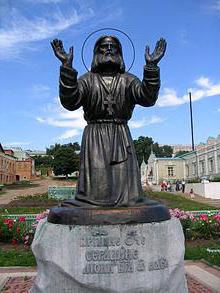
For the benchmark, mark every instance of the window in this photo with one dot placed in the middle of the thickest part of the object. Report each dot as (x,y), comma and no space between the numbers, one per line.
(202,167)
(194,168)
(211,165)
(187,171)
(170,171)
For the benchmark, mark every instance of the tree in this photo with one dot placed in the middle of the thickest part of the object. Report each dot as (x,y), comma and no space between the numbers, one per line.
(53,148)
(66,158)
(143,146)
(181,153)
(43,161)
(43,164)
(162,151)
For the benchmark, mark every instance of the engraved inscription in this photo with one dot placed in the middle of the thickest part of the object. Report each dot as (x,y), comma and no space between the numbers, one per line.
(140,265)
(107,254)
(159,264)
(111,254)
(133,238)
(126,267)
(97,268)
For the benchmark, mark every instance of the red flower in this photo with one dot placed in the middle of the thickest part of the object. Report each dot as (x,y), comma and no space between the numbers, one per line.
(9,223)
(217,217)
(204,217)
(22,219)
(14,241)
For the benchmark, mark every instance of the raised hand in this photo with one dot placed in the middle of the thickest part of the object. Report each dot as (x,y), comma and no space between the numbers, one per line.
(158,53)
(65,58)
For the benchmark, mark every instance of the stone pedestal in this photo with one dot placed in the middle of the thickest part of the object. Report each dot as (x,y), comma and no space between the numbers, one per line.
(145,257)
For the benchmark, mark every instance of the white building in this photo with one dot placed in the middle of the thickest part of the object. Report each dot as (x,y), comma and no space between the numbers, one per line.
(202,163)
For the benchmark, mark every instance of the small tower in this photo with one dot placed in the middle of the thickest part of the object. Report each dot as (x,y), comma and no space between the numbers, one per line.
(143,173)
(150,167)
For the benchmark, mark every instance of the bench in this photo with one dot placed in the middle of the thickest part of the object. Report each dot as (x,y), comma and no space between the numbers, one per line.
(61,192)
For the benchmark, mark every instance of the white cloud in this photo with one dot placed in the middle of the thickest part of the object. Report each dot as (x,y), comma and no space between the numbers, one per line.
(215,6)
(218,110)
(184,37)
(205,88)
(17,143)
(145,122)
(18,32)
(44,1)
(57,116)
(69,133)
(40,88)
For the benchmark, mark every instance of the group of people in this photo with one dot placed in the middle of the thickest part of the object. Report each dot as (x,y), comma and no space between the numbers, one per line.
(179,185)
(166,186)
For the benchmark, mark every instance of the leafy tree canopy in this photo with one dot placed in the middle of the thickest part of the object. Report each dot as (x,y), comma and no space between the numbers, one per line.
(66,158)
(143,146)
(43,161)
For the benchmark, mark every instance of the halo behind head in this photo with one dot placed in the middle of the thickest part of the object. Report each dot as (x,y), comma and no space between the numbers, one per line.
(115,38)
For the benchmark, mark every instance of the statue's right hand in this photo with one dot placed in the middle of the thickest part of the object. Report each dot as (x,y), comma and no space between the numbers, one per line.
(65,58)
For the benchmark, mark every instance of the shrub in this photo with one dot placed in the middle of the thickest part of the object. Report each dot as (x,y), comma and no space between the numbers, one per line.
(17,231)
(215,179)
(203,227)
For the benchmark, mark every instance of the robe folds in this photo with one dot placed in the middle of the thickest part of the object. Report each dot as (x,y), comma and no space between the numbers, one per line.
(109,173)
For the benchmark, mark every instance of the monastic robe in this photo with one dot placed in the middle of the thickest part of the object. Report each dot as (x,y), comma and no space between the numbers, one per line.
(109,173)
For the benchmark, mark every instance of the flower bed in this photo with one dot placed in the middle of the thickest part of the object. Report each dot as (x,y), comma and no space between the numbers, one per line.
(205,226)
(19,229)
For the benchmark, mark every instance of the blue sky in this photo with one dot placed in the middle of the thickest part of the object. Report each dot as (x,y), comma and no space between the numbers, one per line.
(30,113)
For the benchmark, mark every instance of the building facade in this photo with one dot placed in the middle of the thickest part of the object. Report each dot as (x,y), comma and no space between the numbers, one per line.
(200,164)
(24,164)
(188,147)
(204,163)
(7,167)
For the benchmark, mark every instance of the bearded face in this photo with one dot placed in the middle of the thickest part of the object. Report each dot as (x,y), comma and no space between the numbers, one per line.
(107,56)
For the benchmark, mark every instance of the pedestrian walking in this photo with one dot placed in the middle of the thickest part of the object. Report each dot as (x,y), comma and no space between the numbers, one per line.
(183,183)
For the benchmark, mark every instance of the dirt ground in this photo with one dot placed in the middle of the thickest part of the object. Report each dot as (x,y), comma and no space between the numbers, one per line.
(42,187)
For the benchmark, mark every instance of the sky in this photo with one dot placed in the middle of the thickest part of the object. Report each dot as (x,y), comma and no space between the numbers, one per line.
(31,116)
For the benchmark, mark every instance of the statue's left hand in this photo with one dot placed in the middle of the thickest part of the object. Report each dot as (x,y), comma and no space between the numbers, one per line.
(158,53)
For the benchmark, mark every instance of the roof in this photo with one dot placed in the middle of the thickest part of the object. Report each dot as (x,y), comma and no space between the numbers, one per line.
(1,149)
(186,154)
(170,159)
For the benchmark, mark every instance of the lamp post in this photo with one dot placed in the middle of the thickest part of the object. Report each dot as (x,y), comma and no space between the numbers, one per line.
(192,134)
(191,120)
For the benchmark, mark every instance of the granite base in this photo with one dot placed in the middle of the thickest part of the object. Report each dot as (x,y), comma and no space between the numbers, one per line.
(142,258)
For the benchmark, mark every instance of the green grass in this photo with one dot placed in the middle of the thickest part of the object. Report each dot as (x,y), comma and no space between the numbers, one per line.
(15,257)
(20,185)
(37,197)
(200,253)
(21,210)
(177,201)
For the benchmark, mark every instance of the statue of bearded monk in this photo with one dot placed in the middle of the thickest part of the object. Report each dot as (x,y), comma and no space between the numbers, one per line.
(109,173)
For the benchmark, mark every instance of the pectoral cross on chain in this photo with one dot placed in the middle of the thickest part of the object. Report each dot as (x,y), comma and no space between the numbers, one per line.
(110,101)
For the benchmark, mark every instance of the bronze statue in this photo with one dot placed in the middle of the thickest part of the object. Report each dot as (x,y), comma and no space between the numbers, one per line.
(109,173)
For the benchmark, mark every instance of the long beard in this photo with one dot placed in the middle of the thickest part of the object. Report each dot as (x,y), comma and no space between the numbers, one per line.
(107,61)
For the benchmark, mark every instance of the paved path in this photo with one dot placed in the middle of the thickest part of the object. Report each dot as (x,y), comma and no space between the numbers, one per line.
(10,194)
(201,199)
(201,278)
(205,275)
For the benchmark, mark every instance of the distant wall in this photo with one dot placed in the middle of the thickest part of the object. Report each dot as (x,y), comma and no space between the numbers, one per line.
(208,190)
